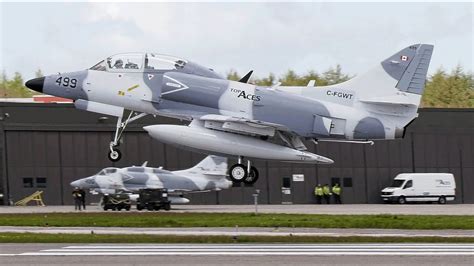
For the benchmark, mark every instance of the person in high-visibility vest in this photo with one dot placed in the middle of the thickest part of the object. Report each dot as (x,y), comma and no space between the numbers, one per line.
(336,191)
(327,193)
(318,192)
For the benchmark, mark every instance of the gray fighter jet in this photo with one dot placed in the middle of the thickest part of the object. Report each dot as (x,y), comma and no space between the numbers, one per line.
(234,118)
(207,175)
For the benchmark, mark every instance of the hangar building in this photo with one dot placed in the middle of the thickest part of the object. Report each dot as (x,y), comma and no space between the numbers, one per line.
(45,146)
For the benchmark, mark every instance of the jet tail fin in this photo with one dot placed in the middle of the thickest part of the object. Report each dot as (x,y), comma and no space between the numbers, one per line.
(397,82)
(212,165)
(404,71)
(410,67)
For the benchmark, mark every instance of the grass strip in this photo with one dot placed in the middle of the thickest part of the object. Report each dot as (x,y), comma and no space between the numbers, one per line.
(170,219)
(109,238)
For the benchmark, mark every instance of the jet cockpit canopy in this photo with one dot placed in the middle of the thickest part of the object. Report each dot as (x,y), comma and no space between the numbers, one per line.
(139,62)
(108,170)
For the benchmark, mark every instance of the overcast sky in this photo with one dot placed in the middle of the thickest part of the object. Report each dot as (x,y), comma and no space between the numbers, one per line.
(266,37)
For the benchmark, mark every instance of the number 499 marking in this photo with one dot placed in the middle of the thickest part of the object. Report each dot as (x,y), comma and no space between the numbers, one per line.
(66,82)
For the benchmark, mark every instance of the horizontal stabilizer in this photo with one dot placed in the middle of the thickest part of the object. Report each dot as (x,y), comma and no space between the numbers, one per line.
(390,100)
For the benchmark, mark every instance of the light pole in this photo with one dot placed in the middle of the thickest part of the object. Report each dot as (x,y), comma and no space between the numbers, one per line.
(255,200)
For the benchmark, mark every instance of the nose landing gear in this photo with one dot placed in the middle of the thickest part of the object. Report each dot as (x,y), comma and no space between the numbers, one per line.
(114,154)
(240,173)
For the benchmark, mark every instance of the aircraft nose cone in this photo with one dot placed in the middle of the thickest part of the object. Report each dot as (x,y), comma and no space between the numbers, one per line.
(325,160)
(76,183)
(155,130)
(35,84)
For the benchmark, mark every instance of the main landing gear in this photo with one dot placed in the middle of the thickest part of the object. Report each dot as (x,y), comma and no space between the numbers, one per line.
(114,153)
(243,173)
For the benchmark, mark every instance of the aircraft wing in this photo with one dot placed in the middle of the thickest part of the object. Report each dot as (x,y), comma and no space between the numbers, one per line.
(242,125)
(180,192)
(181,114)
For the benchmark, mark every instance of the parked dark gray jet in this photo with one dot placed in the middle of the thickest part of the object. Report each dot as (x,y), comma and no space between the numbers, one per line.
(238,119)
(208,175)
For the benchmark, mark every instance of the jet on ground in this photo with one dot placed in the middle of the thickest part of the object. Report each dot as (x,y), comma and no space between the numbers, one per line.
(237,119)
(208,175)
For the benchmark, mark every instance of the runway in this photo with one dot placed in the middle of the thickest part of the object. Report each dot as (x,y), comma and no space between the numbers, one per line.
(259,249)
(241,253)
(408,209)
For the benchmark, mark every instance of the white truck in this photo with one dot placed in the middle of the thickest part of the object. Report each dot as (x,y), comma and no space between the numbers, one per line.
(421,187)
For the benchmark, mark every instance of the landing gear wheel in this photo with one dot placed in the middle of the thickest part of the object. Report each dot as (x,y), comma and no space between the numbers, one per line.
(252,177)
(237,173)
(115,155)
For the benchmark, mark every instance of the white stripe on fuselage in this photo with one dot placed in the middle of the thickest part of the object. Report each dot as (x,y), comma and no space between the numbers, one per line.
(237,100)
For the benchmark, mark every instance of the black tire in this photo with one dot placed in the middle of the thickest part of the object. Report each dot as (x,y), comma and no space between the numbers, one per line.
(139,207)
(105,208)
(442,200)
(115,155)
(167,207)
(127,208)
(402,200)
(149,207)
(237,173)
(252,177)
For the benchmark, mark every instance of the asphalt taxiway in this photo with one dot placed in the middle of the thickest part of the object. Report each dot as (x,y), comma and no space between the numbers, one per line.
(413,209)
(233,254)
(240,231)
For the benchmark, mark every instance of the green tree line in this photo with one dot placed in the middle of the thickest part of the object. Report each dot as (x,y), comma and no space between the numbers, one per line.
(291,78)
(15,87)
(454,89)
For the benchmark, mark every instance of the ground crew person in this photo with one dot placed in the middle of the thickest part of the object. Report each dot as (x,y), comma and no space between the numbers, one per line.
(327,193)
(76,194)
(83,198)
(336,191)
(318,192)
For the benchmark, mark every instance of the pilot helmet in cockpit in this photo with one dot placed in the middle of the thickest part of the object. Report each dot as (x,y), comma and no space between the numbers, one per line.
(118,63)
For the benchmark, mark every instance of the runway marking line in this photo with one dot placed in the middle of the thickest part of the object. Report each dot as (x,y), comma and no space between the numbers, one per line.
(259,250)
(251,254)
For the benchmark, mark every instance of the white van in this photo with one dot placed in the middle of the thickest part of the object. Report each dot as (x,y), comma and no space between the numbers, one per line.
(421,187)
